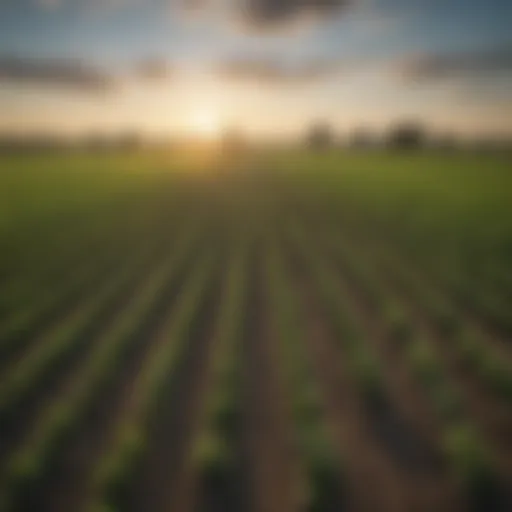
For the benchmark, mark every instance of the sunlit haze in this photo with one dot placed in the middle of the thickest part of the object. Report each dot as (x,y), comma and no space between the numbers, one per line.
(268,68)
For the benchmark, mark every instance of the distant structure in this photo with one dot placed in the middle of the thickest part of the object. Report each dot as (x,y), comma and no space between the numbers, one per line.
(320,137)
(406,135)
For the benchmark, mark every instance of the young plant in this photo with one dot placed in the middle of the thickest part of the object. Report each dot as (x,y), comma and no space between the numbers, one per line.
(322,469)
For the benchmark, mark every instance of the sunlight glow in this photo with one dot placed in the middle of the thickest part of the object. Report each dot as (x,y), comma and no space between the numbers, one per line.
(205,123)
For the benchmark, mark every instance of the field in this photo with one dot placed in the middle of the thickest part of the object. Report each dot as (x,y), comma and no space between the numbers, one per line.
(291,332)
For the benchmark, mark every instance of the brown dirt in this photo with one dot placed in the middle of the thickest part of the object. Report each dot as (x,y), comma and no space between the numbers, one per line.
(15,428)
(365,460)
(267,434)
(492,417)
(390,260)
(159,477)
(66,486)
(48,320)
(422,431)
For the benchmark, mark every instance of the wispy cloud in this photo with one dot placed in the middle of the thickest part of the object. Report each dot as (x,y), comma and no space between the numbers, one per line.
(62,73)
(424,67)
(272,71)
(154,69)
(273,13)
(80,76)
(265,16)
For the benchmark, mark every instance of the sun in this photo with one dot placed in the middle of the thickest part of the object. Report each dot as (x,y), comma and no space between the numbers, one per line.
(205,123)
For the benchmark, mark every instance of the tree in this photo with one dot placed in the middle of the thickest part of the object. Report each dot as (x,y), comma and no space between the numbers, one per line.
(406,135)
(320,136)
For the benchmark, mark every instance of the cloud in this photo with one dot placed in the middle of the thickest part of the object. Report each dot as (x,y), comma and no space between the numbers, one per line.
(423,67)
(269,13)
(258,15)
(266,15)
(153,69)
(72,75)
(270,71)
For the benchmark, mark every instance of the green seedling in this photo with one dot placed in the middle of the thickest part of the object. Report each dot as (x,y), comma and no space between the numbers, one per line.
(471,349)
(213,458)
(424,364)
(367,374)
(397,323)
(470,462)
(324,471)
(307,407)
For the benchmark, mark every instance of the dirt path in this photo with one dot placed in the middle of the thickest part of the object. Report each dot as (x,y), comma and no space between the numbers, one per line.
(267,427)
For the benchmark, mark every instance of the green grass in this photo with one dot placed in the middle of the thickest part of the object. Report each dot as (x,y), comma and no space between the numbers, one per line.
(454,209)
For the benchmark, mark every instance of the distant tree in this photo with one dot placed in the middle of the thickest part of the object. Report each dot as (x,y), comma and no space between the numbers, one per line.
(320,136)
(406,135)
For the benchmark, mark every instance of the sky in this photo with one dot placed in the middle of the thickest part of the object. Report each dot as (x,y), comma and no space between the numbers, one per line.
(268,67)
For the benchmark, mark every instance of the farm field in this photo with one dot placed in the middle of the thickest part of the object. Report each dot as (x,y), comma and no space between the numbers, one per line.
(297,331)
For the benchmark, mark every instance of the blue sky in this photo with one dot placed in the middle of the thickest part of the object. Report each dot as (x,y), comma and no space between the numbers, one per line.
(270,68)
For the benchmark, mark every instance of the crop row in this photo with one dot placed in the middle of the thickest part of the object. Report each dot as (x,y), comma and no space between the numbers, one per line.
(216,450)
(479,356)
(31,289)
(479,299)
(37,300)
(362,362)
(117,467)
(55,301)
(320,465)
(456,274)
(27,467)
(52,354)
(466,452)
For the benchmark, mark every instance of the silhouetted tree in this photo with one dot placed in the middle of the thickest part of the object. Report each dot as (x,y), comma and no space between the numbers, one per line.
(406,135)
(320,136)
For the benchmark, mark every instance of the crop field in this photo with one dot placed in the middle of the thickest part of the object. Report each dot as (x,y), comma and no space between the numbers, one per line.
(295,332)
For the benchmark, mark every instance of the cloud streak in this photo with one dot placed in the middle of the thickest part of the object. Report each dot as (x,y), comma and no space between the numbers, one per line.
(269,71)
(154,70)
(425,67)
(267,15)
(275,13)
(73,75)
